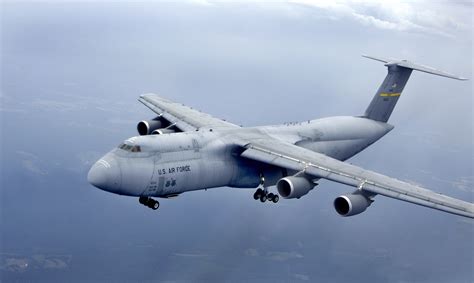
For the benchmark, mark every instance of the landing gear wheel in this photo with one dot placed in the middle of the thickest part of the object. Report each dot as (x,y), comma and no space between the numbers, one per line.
(149,202)
(256,196)
(275,198)
(155,205)
(258,193)
(263,195)
(143,200)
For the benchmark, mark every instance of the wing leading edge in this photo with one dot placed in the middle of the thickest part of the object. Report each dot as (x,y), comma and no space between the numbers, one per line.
(292,157)
(183,117)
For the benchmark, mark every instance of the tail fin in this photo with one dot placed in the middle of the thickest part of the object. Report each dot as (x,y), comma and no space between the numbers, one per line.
(387,95)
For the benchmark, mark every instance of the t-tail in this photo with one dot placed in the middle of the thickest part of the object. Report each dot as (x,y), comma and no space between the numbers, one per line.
(387,95)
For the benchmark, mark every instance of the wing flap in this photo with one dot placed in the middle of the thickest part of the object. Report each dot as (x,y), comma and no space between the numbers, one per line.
(183,117)
(320,166)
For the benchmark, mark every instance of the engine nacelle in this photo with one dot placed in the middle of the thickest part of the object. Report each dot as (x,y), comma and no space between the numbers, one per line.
(294,187)
(146,127)
(348,205)
(162,131)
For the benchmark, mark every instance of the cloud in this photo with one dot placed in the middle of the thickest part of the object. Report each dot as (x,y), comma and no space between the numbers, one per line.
(415,16)
(302,277)
(201,2)
(283,256)
(19,263)
(462,183)
(465,184)
(275,255)
(31,166)
(444,19)
(191,255)
(86,159)
(30,161)
(12,110)
(54,105)
(251,252)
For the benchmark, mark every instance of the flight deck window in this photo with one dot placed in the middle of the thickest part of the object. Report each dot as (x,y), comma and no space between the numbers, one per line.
(131,148)
(136,148)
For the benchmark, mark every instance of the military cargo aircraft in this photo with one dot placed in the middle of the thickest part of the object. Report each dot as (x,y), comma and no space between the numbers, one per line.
(183,149)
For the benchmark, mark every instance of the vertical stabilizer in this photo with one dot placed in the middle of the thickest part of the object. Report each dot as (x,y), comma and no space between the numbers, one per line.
(399,71)
(388,94)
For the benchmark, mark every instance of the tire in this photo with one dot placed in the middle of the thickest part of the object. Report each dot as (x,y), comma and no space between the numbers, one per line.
(142,200)
(256,195)
(259,191)
(263,198)
(150,203)
(275,199)
(270,196)
(155,205)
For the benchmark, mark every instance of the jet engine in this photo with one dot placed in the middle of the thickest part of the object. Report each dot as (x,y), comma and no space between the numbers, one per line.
(294,186)
(348,205)
(146,127)
(162,131)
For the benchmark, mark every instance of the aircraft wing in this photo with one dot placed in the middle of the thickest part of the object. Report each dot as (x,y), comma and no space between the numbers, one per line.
(183,117)
(318,165)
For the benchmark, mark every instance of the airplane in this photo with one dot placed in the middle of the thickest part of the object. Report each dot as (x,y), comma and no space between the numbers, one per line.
(182,150)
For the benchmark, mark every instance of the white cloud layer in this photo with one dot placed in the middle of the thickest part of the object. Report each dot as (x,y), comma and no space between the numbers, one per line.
(419,16)
(446,18)
(440,18)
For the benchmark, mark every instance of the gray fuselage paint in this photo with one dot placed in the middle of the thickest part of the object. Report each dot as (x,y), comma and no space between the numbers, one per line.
(171,164)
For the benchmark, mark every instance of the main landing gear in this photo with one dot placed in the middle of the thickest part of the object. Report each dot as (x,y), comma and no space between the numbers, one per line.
(262,192)
(151,203)
(263,195)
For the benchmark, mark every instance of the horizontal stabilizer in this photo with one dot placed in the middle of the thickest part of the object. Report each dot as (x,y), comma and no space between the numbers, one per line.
(413,66)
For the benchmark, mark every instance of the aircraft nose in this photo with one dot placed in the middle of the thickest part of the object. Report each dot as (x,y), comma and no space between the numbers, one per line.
(105,174)
(97,176)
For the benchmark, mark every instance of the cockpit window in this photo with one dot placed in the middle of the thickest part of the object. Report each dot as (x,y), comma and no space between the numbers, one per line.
(136,148)
(131,148)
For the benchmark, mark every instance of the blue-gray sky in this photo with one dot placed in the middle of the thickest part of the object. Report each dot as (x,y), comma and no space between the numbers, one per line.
(70,76)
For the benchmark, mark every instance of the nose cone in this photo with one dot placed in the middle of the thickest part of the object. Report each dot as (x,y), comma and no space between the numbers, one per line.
(105,174)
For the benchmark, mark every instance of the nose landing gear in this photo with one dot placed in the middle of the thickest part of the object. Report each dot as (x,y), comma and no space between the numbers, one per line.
(262,193)
(151,203)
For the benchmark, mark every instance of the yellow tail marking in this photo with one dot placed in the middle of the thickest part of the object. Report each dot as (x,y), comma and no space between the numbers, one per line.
(390,94)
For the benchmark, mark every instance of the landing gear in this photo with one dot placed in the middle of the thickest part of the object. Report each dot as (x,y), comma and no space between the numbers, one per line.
(262,193)
(275,198)
(258,193)
(151,203)
(263,196)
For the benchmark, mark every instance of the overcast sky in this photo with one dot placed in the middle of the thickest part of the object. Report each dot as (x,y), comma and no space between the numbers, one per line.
(70,76)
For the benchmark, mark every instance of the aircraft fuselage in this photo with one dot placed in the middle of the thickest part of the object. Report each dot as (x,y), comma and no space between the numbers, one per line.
(170,164)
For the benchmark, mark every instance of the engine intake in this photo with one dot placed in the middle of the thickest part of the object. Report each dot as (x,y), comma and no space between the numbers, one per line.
(348,205)
(146,127)
(294,187)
